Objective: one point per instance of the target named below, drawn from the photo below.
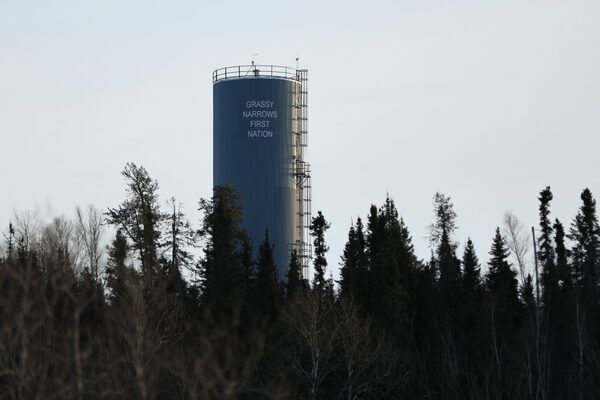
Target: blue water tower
(260, 124)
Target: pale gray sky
(486, 101)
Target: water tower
(260, 124)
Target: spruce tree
(390, 266)
(470, 310)
(268, 290)
(355, 273)
(446, 261)
(295, 281)
(501, 280)
(116, 270)
(585, 233)
(504, 316)
(471, 276)
(502, 287)
(563, 269)
(318, 227)
(546, 253)
(223, 276)
(246, 259)
(528, 297)
(585, 256)
(561, 323)
(348, 270)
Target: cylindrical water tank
(255, 124)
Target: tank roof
(254, 71)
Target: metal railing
(252, 71)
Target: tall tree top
(546, 254)
(445, 219)
(318, 227)
(471, 267)
(139, 215)
(585, 233)
(500, 278)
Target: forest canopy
(168, 311)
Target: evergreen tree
(504, 315)
(354, 263)
(469, 325)
(348, 271)
(223, 276)
(546, 253)
(295, 281)
(390, 268)
(446, 261)
(180, 237)
(585, 233)
(471, 276)
(561, 323)
(318, 227)
(501, 285)
(563, 269)
(375, 242)
(116, 270)
(139, 216)
(585, 256)
(528, 297)
(247, 262)
(501, 280)
(268, 290)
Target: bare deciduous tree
(27, 227)
(368, 360)
(88, 231)
(517, 240)
(311, 321)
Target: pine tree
(180, 238)
(139, 216)
(318, 227)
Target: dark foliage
(157, 323)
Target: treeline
(147, 319)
